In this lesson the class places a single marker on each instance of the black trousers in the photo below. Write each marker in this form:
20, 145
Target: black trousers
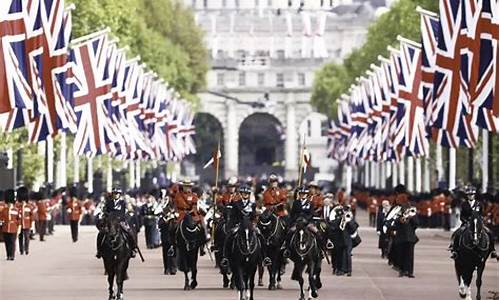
24, 241
406, 251
74, 230
149, 235
50, 225
42, 229
10, 244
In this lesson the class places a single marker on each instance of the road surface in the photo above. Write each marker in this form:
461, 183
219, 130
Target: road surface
60, 269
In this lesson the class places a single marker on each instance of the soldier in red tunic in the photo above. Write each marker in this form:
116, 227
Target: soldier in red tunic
74, 209
230, 194
26, 216
275, 198
10, 223
186, 202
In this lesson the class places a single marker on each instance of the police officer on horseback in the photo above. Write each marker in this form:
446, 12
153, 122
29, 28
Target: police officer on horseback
242, 209
468, 207
116, 205
302, 208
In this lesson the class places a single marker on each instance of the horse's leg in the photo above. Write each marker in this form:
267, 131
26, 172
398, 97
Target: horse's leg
194, 270
479, 280
252, 282
279, 264
261, 274
186, 280
225, 280
272, 280
111, 282
312, 281
317, 273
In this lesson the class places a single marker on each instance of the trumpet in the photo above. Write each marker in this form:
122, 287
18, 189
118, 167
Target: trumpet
409, 213
346, 218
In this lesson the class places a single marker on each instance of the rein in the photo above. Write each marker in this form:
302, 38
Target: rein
275, 230
249, 252
303, 254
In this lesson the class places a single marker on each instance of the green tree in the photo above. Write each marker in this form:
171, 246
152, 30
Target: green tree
402, 19
162, 32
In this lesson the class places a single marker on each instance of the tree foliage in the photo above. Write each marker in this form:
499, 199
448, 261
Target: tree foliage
335, 79
162, 32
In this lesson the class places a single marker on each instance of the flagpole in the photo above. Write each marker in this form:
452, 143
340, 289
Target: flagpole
301, 162
217, 162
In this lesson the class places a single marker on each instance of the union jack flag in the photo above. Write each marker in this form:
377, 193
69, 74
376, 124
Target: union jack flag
397, 118
450, 78
482, 22
53, 107
91, 88
410, 94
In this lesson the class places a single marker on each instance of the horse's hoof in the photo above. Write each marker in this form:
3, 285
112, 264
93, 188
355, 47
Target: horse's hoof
271, 287
194, 284
462, 295
111, 297
187, 287
319, 284
278, 286
314, 294
260, 283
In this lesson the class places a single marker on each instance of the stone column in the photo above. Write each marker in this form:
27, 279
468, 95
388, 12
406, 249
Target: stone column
137, 173
291, 146
49, 149
427, 174
61, 163
109, 175
453, 169
484, 161
402, 171
231, 141
131, 174
410, 185
90, 175
348, 181
394, 173
418, 175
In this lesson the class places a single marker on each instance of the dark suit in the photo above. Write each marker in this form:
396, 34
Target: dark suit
405, 241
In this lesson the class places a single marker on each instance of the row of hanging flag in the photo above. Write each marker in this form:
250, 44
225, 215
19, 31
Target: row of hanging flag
443, 88
88, 87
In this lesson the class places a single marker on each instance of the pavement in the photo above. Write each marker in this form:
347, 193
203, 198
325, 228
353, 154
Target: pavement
61, 269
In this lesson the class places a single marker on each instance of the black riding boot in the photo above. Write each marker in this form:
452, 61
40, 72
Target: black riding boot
100, 239
266, 260
228, 242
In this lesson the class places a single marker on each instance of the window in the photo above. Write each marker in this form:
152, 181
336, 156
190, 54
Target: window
260, 79
205, 3
224, 3
242, 79
309, 128
302, 79
193, 3
220, 54
240, 53
280, 80
270, 3
280, 54
220, 79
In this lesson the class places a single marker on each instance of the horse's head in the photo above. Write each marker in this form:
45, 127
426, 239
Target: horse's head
475, 227
266, 221
246, 237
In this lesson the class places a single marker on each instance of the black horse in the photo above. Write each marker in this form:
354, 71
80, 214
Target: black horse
473, 251
189, 238
306, 255
244, 257
273, 232
221, 230
116, 254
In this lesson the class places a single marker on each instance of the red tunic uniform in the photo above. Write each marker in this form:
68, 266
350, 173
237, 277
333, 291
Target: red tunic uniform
10, 219
42, 206
187, 202
26, 214
274, 196
74, 209
317, 201
227, 198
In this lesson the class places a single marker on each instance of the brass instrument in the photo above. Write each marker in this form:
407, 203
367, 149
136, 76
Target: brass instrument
408, 214
346, 218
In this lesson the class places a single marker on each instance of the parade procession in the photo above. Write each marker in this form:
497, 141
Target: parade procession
249, 149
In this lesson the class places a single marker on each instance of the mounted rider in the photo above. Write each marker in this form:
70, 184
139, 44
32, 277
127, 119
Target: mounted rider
242, 209
468, 207
186, 202
230, 195
275, 198
302, 208
116, 205
316, 198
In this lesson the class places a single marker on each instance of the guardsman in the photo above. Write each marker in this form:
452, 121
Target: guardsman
42, 206
26, 216
74, 208
148, 212
3, 205
10, 223
186, 202
372, 210
274, 197
230, 194
316, 198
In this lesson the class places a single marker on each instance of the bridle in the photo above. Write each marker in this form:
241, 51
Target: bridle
302, 251
275, 229
250, 250
189, 244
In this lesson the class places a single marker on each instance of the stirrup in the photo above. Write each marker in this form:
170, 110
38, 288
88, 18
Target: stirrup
224, 263
170, 251
286, 253
329, 245
267, 261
